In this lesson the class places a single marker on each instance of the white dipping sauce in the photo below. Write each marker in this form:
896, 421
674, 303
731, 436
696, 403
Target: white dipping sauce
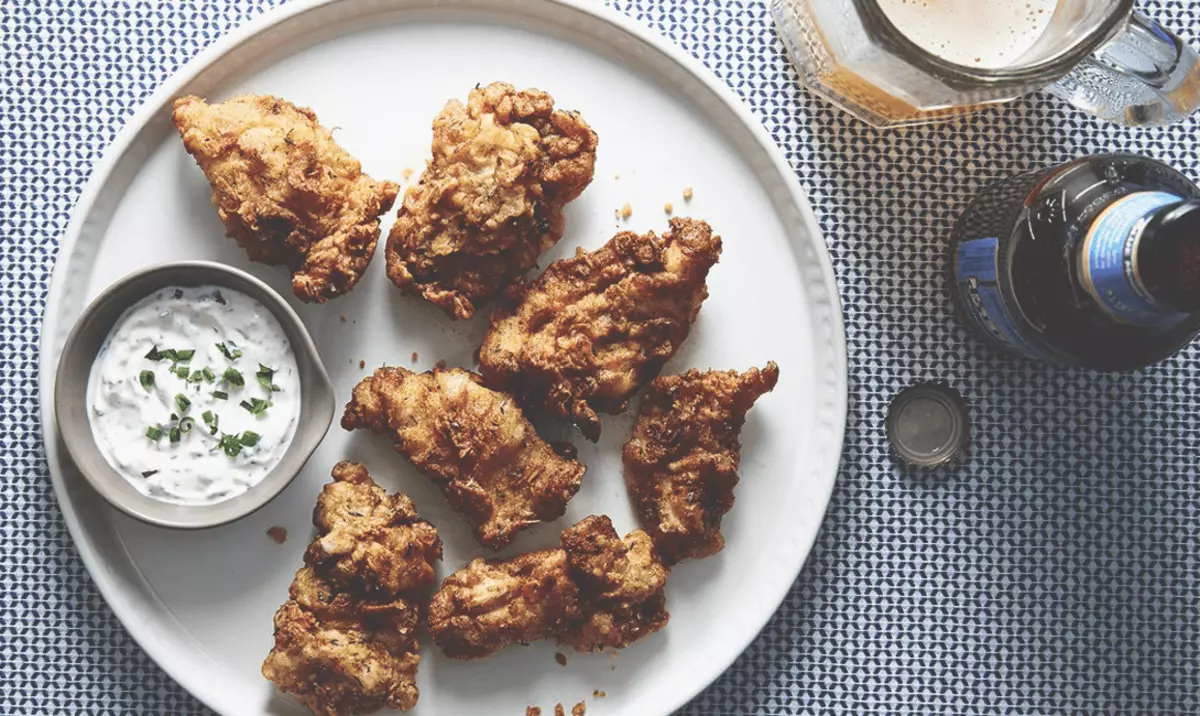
204, 467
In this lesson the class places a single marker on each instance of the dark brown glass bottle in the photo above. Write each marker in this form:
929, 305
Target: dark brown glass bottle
1094, 263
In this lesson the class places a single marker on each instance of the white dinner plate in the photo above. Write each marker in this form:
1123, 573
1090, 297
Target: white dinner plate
200, 603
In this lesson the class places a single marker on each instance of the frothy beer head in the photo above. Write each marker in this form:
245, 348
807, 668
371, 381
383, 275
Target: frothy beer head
987, 34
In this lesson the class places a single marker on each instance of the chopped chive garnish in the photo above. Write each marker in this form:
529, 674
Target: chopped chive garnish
178, 294
220, 395
231, 353
196, 376
185, 425
212, 421
174, 417
233, 377
154, 432
256, 406
182, 402
174, 435
146, 378
230, 444
208, 374
148, 473
264, 376
249, 438
180, 370
171, 354
218, 298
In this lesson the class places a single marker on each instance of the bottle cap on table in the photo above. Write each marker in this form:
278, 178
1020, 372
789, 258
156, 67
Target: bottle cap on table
928, 425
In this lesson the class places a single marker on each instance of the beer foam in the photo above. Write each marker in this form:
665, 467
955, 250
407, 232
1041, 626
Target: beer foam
989, 34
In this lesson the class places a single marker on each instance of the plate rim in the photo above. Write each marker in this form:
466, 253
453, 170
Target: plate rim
835, 417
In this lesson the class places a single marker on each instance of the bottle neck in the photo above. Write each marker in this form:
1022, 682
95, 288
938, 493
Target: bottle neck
1169, 256
1140, 259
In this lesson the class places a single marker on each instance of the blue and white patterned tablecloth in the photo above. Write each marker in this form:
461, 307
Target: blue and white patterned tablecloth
1057, 572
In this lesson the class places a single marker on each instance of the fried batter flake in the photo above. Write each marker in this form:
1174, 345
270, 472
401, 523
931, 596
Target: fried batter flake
286, 191
346, 640
474, 442
681, 464
491, 199
593, 329
596, 591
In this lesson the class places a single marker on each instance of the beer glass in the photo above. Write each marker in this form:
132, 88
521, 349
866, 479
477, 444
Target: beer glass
1098, 55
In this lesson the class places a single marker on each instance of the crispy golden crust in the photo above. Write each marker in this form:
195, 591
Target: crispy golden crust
596, 591
594, 329
681, 464
346, 640
287, 193
622, 585
488, 605
491, 199
475, 443
340, 655
371, 540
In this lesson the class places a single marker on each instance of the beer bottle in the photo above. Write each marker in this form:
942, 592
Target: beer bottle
1095, 263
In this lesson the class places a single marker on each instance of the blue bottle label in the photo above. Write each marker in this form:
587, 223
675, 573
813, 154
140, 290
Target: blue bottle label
1109, 262
976, 269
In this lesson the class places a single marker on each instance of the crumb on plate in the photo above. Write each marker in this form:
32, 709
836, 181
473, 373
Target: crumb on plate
414, 357
558, 710
626, 210
565, 449
343, 318
406, 174
362, 364
597, 693
579, 709
668, 207
441, 364
533, 711
277, 533
687, 193
560, 658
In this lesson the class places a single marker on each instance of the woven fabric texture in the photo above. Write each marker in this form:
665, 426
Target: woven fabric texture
1054, 572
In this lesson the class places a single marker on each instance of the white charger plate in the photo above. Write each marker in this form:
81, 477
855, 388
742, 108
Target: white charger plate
200, 603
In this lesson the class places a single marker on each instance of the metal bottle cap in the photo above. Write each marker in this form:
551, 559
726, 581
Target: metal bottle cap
928, 425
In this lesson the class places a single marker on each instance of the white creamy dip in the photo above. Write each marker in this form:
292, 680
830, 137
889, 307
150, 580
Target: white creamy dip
176, 438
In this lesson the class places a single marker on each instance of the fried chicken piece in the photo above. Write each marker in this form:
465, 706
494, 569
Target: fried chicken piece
346, 640
621, 582
370, 539
593, 329
681, 464
491, 199
596, 591
286, 191
474, 442
339, 654
488, 605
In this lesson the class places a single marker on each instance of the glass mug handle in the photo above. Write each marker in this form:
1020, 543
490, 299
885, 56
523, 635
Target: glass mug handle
1144, 76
